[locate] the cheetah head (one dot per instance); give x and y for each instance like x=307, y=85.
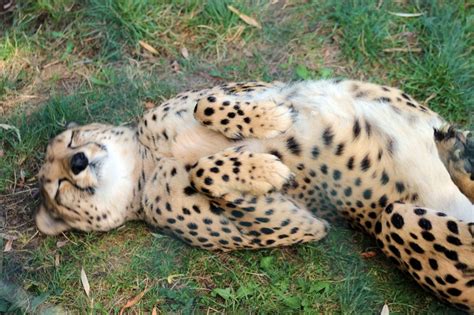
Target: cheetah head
x=456, y=149
x=86, y=181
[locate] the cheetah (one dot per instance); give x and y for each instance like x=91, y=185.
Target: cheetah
x=258, y=165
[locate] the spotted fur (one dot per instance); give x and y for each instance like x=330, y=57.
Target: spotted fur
x=256, y=165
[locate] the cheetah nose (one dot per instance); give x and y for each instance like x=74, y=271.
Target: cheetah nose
x=79, y=163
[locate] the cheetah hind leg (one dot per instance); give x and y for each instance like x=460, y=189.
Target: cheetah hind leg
x=435, y=249
x=242, y=186
x=237, y=118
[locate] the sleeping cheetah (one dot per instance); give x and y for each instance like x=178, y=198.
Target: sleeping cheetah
x=257, y=165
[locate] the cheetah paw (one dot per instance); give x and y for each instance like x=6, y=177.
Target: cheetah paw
x=237, y=119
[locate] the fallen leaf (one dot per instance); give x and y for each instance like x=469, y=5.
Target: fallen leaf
x=133, y=301
x=85, y=282
x=412, y=50
x=407, y=15
x=148, y=47
x=175, y=66
x=185, y=53
x=8, y=245
x=171, y=278
x=60, y=244
x=149, y=105
x=369, y=254
x=247, y=19
x=153, y=311
x=385, y=310
x=56, y=260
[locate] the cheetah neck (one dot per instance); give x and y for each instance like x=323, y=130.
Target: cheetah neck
x=145, y=163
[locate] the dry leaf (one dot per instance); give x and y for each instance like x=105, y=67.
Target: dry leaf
x=60, y=244
x=8, y=245
x=148, y=47
x=85, y=282
x=407, y=15
x=175, y=66
x=56, y=260
x=132, y=301
x=185, y=53
x=369, y=254
x=154, y=312
x=385, y=310
x=149, y=105
x=413, y=50
x=247, y=19
x=171, y=278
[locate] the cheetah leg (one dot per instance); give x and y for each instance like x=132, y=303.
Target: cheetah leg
x=171, y=204
x=456, y=150
x=436, y=249
x=237, y=118
x=241, y=183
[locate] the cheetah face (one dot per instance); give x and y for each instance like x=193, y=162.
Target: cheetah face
x=86, y=179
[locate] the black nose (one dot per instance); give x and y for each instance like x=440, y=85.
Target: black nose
x=79, y=163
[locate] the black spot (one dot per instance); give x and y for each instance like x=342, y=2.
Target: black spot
x=397, y=220
x=247, y=120
x=454, y=240
x=356, y=129
x=450, y=279
x=397, y=238
x=350, y=163
x=365, y=164
x=214, y=169
x=433, y=264
x=215, y=209
x=383, y=201
x=211, y=99
x=199, y=172
x=237, y=213
x=378, y=228
x=470, y=284
x=415, y=264
x=223, y=242
x=263, y=220
x=267, y=231
x=328, y=136
x=454, y=291
x=294, y=230
x=225, y=178
x=453, y=227
x=389, y=208
x=420, y=211
x=336, y=175
x=189, y=191
x=171, y=221
x=224, y=121
x=348, y=191
x=428, y=236
x=315, y=152
x=425, y=224
x=367, y=194
x=293, y=146
x=384, y=179
x=416, y=248
x=324, y=169
x=208, y=181
x=192, y=226
x=411, y=104
x=400, y=187
x=340, y=149
x=168, y=207
x=394, y=250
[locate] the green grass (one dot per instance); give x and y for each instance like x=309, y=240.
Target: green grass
x=82, y=61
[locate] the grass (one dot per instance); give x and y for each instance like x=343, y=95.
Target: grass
x=82, y=61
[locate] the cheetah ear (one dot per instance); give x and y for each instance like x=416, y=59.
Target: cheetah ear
x=49, y=225
x=71, y=124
